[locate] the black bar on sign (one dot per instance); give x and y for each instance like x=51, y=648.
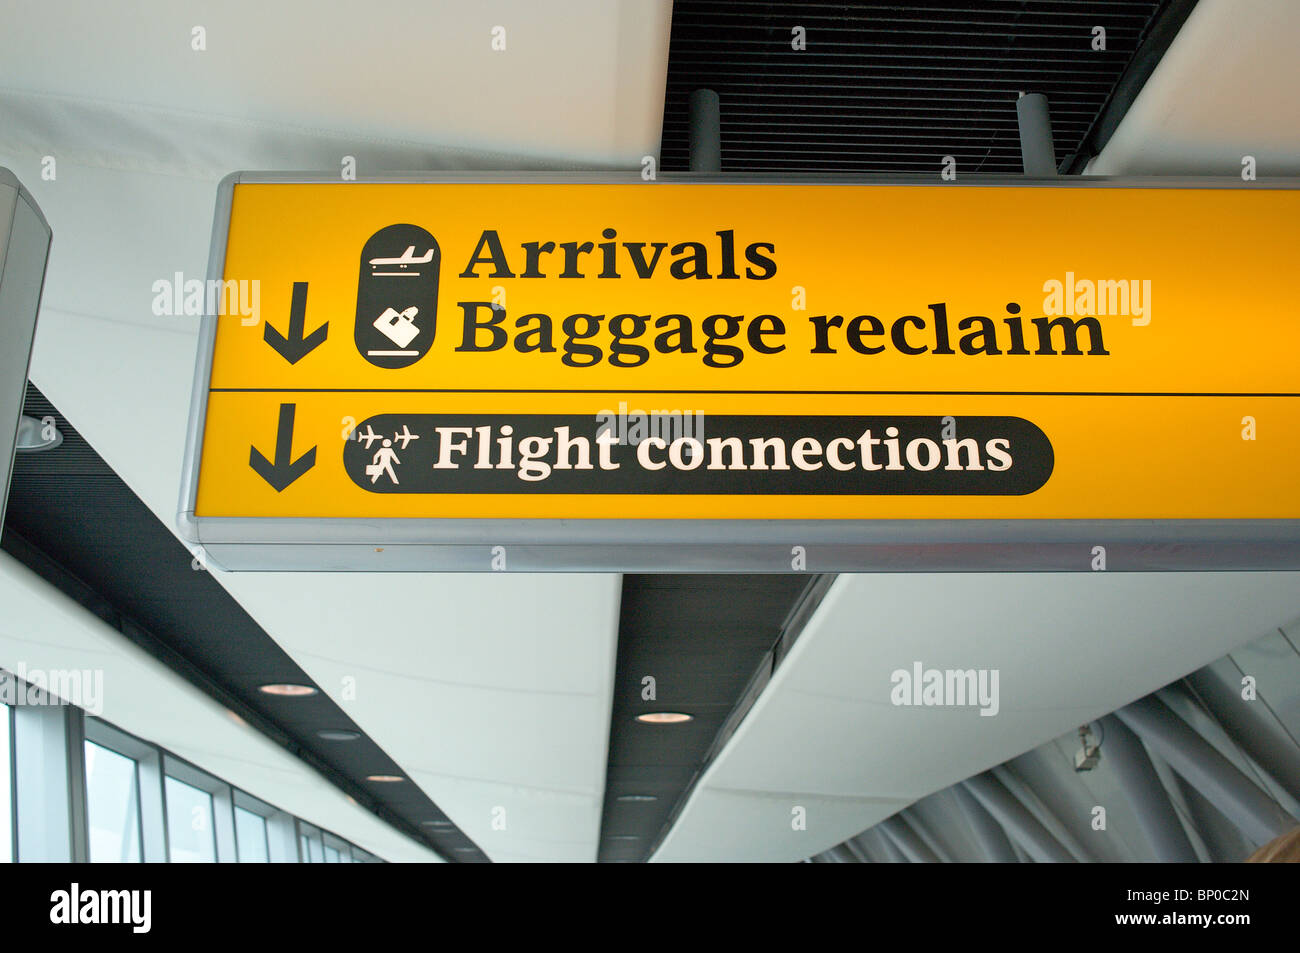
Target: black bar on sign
x=685, y=453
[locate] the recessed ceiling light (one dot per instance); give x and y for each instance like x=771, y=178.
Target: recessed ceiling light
x=622, y=837
x=287, y=690
x=636, y=797
x=436, y=823
x=385, y=778
x=663, y=718
x=36, y=435
x=465, y=850
x=338, y=734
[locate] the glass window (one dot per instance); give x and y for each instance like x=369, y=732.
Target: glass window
x=112, y=806
x=6, y=791
x=310, y=850
x=250, y=835
x=189, y=824
x=331, y=855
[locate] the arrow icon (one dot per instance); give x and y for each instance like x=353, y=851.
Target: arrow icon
x=295, y=347
x=281, y=473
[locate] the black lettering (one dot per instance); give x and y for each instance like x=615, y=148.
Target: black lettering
x=757, y=330
x=1017, y=330
x=469, y=336
x=571, y=252
x=899, y=334
x=941, y=345
x=682, y=332
x=986, y=332
x=1070, y=335
x=533, y=252
x=854, y=333
x=714, y=351
x=728, y=254
x=542, y=334
x=496, y=257
x=573, y=350
x=609, y=250
x=756, y=257
x=643, y=268
x=698, y=259
x=619, y=350
x=821, y=327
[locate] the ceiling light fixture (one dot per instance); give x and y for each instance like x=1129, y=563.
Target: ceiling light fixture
x=636, y=797
x=385, y=778
x=664, y=718
x=287, y=690
x=36, y=435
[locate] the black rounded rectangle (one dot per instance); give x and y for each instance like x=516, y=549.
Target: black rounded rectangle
x=397, y=296
x=695, y=454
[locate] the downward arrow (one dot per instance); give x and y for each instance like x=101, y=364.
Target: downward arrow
x=281, y=473
x=295, y=347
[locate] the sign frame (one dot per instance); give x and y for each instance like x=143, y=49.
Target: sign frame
x=333, y=544
x=25, y=241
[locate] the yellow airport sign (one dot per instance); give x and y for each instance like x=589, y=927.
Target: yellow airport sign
x=682, y=362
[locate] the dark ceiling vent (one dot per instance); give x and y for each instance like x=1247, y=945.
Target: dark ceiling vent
x=896, y=87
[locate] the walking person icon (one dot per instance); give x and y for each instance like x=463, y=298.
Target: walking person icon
x=383, y=462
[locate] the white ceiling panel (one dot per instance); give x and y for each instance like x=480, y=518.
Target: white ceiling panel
x=578, y=81
x=1068, y=648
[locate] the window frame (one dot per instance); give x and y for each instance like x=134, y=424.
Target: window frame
x=314, y=838
x=223, y=806
x=336, y=843
x=151, y=799
x=49, y=795
x=281, y=838
x=11, y=765
x=49, y=784
x=239, y=842
x=139, y=814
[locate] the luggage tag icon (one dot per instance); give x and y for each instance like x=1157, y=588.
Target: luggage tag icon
x=397, y=296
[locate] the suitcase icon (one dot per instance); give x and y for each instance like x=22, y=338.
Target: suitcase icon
x=398, y=326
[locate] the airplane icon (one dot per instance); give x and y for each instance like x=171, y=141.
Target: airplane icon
x=405, y=436
x=370, y=436
x=406, y=258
